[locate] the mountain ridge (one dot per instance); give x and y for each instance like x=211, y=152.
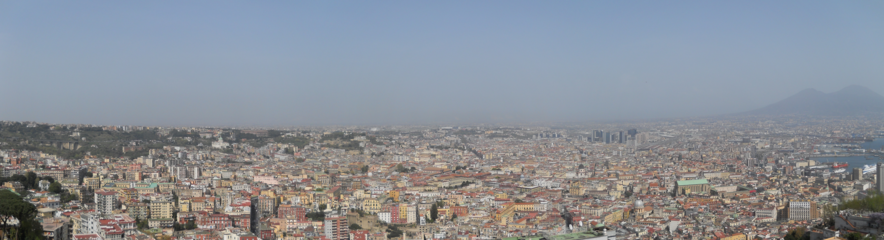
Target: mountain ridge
x=852, y=100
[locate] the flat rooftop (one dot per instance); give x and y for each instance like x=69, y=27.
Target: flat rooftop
x=692, y=182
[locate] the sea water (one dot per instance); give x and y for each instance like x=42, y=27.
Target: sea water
x=856, y=161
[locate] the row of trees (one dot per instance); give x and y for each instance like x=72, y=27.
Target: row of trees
x=318, y=215
x=190, y=225
x=873, y=203
x=402, y=169
x=31, y=181
x=393, y=231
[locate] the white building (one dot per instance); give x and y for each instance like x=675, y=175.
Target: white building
x=105, y=202
x=385, y=217
x=220, y=143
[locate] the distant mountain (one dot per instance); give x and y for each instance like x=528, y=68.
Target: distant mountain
x=850, y=101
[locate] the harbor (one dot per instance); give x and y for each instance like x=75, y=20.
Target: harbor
x=854, y=160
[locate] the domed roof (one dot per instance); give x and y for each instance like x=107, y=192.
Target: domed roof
x=639, y=204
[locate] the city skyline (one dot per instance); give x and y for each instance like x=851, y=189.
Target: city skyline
x=679, y=179
x=792, y=105
x=441, y=120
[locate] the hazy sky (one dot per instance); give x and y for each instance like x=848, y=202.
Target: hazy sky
x=395, y=62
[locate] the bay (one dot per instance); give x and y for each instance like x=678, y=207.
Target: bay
x=856, y=161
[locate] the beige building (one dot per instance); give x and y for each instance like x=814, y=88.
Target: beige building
x=161, y=209
x=692, y=186
x=371, y=206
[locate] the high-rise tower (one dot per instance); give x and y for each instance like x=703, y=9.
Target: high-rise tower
x=880, y=176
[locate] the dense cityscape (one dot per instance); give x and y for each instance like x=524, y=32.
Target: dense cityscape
x=684, y=179
x=441, y=120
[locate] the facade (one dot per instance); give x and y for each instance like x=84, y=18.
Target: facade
x=286, y=210
x=215, y=221
x=770, y=212
x=411, y=216
x=803, y=210
x=880, y=177
x=385, y=217
x=857, y=174
x=255, y=215
x=336, y=228
x=692, y=186
x=138, y=210
x=86, y=223
x=267, y=205
x=55, y=229
x=17, y=186
x=105, y=202
x=161, y=209
x=242, y=221
x=371, y=206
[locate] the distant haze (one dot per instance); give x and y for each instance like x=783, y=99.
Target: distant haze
x=415, y=62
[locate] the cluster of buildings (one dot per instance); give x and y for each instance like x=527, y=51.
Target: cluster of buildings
x=660, y=180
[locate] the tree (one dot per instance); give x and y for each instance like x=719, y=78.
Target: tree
x=31, y=180
x=393, y=231
x=829, y=214
x=365, y=169
x=177, y=226
x=55, y=188
x=49, y=178
x=873, y=203
x=797, y=234
x=858, y=236
x=360, y=212
x=355, y=227
x=316, y=216
x=66, y=198
x=434, y=212
x=31, y=230
x=190, y=225
x=141, y=224
x=12, y=206
x=453, y=216
x=854, y=236
x=878, y=220
x=322, y=207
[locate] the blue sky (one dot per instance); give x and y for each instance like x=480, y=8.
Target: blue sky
x=413, y=62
